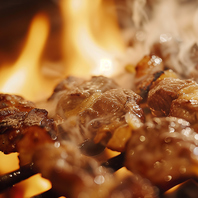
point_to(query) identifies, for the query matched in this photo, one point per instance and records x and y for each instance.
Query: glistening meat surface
(174, 97)
(22, 126)
(164, 150)
(75, 175)
(94, 110)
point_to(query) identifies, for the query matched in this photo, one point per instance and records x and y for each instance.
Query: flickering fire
(24, 77)
(87, 50)
(87, 47)
(91, 37)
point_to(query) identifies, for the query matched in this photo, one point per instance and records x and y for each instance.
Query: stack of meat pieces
(95, 110)
(160, 150)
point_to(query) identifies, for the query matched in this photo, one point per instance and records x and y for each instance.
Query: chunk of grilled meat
(68, 170)
(149, 68)
(129, 186)
(74, 175)
(132, 186)
(94, 110)
(19, 121)
(164, 151)
(13, 110)
(174, 97)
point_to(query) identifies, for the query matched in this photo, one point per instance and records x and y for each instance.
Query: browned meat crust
(75, 175)
(95, 109)
(69, 171)
(132, 186)
(149, 68)
(19, 120)
(13, 111)
(174, 97)
(164, 151)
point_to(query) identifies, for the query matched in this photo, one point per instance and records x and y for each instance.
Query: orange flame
(91, 43)
(24, 77)
(91, 37)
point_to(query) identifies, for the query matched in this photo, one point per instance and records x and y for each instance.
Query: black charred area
(145, 90)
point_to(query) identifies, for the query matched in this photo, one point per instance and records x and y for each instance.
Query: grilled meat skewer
(95, 110)
(61, 160)
(174, 97)
(164, 93)
(164, 151)
(23, 127)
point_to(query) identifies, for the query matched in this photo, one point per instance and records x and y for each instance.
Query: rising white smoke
(172, 25)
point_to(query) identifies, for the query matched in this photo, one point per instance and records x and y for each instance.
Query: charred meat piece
(69, 171)
(132, 186)
(19, 119)
(16, 102)
(74, 175)
(129, 186)
(149, 68)
(164, 151)
(71, 83)
(174, 97)
(33, 137)
(13, 110)
(95, 109)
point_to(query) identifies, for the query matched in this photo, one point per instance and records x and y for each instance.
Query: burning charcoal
(164, 151)
(94, 110)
